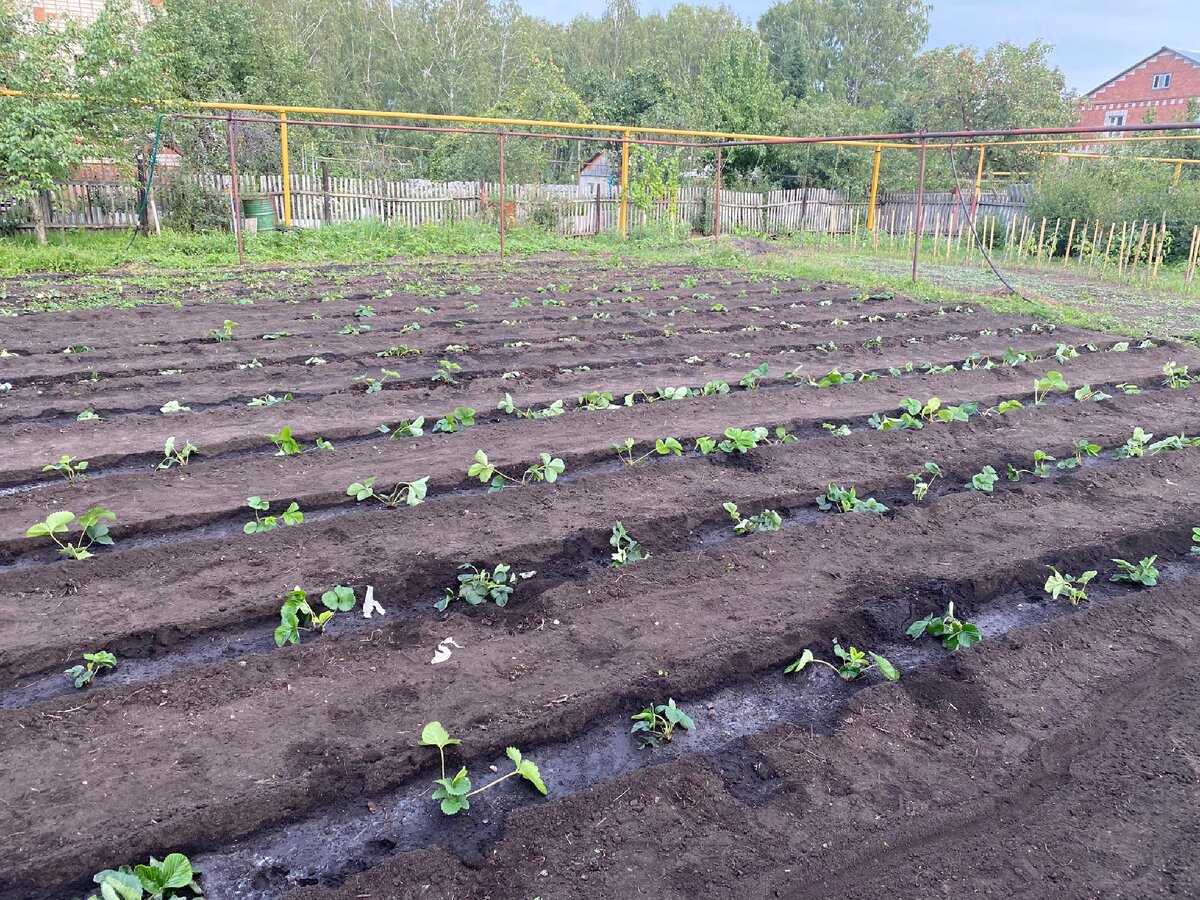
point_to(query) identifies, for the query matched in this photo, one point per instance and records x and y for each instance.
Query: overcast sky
(1093, 39)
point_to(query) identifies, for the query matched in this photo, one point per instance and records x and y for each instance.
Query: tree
(858, 51)
(79, 83)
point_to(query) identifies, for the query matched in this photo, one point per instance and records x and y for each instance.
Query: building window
(1161, 81)
(1117, 118)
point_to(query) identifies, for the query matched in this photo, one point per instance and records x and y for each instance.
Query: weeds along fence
(568, 209)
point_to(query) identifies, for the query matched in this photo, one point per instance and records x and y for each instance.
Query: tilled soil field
(1058, 757)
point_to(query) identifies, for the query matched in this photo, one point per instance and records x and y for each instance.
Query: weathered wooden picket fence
(567, 208)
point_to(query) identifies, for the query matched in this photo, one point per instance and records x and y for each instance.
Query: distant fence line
(569, 209)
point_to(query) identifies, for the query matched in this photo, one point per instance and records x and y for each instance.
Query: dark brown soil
(1057, 758)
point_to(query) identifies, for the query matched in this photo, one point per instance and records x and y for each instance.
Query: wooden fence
(567, 208)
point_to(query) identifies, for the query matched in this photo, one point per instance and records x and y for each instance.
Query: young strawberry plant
(1059, 585)
(1176, 376)
(846, 500)
(223, 334)
(410, 493)
(547, 470)
(752, 378)
(445, 372)
(70, 468)
(1052, 381)
(176, 456)
(932, 471)
(1086, 393)
(476, 586)
(954, 632)
(741, 440)
(984, 480)
(662, 447)
(297, 612)
(269, 400)
(767, 520)
(853, 663)
(1134, 447)
(93, 665)
(507, 405)
(655, 725)
(452, 422)
(1142, 572)
(455, 792)
(625, 549)
(1083, 449)
(290, 516)
(285, 444)
(93, 531)
(173, 406)
(594, 400)
(171, 879)
(405, 429)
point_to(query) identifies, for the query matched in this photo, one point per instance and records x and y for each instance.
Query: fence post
(287, 179)
(143, 219)
(326, 206)
(920, 201)
(234, 194)
(978, 184)
(717, 204)
(874, 187)
(623, 216)
(597, 208)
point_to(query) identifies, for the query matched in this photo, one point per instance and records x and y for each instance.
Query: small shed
(596, 174)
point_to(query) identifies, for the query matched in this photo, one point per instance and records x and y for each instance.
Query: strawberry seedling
(410, 493)
(549, 412)
(93, 531)
(453, 422)
(1134, 447)
(269, 400)
(285, 444)
(741, 440)
(845, 500)
(984, 480)
(853, 663)
(1053, 381)
(655, 725)
(297, 612)
(223, 334)
(752, 378)
(1083, 449)
(1143, 572)
(920, 486)
(594, 400)
(445, 372)
(290, 516)
(455, 792)
(1176, 376)
(176, 456)
(93, 665)
(476, 586)
(625, 549)
(836, 430)
(1086, 393)
(405, 429)
(662, 447)
(767, 520)
(547, 470)
(955, 633)
(68, 467)
(173, 406)
(1058, 585)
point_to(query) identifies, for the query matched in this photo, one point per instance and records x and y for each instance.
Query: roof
(1192, 56)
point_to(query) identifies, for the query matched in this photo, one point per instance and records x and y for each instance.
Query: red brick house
(1164, 81)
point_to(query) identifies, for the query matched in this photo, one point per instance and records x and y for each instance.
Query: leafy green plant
(767, 520)
(1058, 585)
(89, 415)
(453, 422)
(836, 430)
(547, 470)
(411, 493)
(955, 634)
(478, 585)
(297, 612)
(68, 467)
(93, 664)
(655, 725)
(594, 400)
(222, 334)
(1196, 539)
(171, 879)
(1007, 406)
(853, 663)
(714, 388)
(752, 378)
(405, 429)
(554, 409)
(285, 444)
(1135, 446)
(290, 516)
(455, 792)
(933, 410)
(931, 471)
(1172, 442)
(1052, 381)
(92, 531)
(662, 447)
(173, 406)
(445, 372)
(1086, 393)
(269, 400)
(176, 456)
(400, 350)
(625, 549)
(1176, 376)
(983, 480)
(1142, 572)
(1083, 449)
(741, 440)
(839, 499)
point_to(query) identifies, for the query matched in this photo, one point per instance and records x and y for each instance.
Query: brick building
(82, 11)
(1164, 81)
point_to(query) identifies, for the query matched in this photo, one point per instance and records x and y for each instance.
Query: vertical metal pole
(287, 176)
(717, 205)
(874, 187)
(920, 206)
(1178, 174)
(623, 215)
(237, 199)
(503, 196)
(143, 218)
(978, 183)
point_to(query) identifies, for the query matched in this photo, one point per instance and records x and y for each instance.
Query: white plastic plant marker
(443, 650)
(371, 605)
